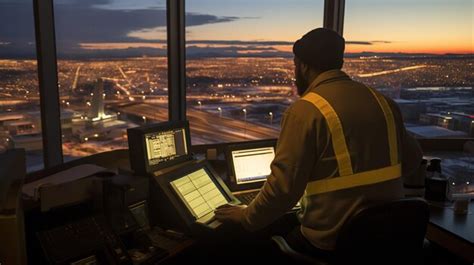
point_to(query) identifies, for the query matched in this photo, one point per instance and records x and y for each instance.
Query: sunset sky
(244, 26)
(434, 26)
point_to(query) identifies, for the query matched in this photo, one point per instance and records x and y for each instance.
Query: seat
(385, 233)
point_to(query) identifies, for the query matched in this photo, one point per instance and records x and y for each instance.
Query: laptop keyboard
(247, 197)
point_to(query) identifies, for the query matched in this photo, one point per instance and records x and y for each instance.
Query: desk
(452, 231)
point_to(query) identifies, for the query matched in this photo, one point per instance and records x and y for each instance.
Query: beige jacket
(304, 153)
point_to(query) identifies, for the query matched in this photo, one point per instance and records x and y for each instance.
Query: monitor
(157, 146)
(249, 163)
(194, 192)
(164, 146)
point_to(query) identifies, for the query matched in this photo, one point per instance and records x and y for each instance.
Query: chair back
(393, 230)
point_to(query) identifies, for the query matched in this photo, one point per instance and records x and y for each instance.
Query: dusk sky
(427, 26)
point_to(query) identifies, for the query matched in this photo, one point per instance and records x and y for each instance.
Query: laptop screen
(252, 165)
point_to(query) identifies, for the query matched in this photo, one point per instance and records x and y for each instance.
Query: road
(394, 70)
(206, 127)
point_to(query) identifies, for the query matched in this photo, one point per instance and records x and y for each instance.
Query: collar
(326, 77)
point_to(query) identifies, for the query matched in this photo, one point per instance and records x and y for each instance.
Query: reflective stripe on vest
(391, 128)
(335, 128)
(347, 179)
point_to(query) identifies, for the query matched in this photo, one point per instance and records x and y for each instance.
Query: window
(421, 54)
(240, 65)
(112, 70)
(20, 119)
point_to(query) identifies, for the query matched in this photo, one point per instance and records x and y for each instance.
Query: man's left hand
(230, 213)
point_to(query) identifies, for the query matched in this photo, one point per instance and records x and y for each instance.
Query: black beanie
(321, 48)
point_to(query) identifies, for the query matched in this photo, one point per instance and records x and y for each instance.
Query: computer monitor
(249, 163)
(194, 192)
(157, 146)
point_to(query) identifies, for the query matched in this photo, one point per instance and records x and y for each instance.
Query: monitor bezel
(165, 180)
(157, 127)
(230, 163)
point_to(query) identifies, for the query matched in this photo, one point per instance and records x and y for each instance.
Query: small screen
(252, 165)
(199, 193)
(140, 214)
(166, 145)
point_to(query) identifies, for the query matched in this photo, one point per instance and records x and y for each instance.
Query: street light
(144, 119)
(245, 122)
(220, 112)
(200, 105)
(271, 117)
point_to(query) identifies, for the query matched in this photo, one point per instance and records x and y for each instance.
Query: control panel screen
(165, 146)
(199, 193)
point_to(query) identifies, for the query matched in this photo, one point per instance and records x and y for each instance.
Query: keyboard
(247, 197)
(80, 239)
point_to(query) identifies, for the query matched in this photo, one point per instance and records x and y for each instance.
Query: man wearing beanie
(342, 147)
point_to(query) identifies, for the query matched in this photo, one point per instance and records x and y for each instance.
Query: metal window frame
(334, 15)
(176, 32)
(48, 82)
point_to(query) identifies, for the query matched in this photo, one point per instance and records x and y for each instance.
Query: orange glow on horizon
(350, 48)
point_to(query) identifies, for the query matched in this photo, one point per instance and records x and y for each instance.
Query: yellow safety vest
(347, 179)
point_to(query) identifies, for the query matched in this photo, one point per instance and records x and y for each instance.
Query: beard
(301, 83)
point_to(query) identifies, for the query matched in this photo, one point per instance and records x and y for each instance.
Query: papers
(69, 175)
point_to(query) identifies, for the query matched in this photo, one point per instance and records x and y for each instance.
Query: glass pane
(20, 119)
(421, 54)
(112, 69)
(240, 65)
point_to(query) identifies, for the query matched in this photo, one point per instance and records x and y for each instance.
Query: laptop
(249, 166)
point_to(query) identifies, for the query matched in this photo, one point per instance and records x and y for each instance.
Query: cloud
(239, 42)
(195, 19)
(17, 22)
(98, 21)
(367, 42)
(194, 51)
(80, 21)
(76, 23)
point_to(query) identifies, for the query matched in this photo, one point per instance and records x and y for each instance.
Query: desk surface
(460, 225)
(454, 232)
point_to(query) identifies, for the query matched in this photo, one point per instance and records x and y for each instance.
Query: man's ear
(304, 68)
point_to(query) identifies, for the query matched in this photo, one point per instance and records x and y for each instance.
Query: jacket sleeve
(290, 170)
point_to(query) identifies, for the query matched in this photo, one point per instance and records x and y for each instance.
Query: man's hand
(230, 213)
